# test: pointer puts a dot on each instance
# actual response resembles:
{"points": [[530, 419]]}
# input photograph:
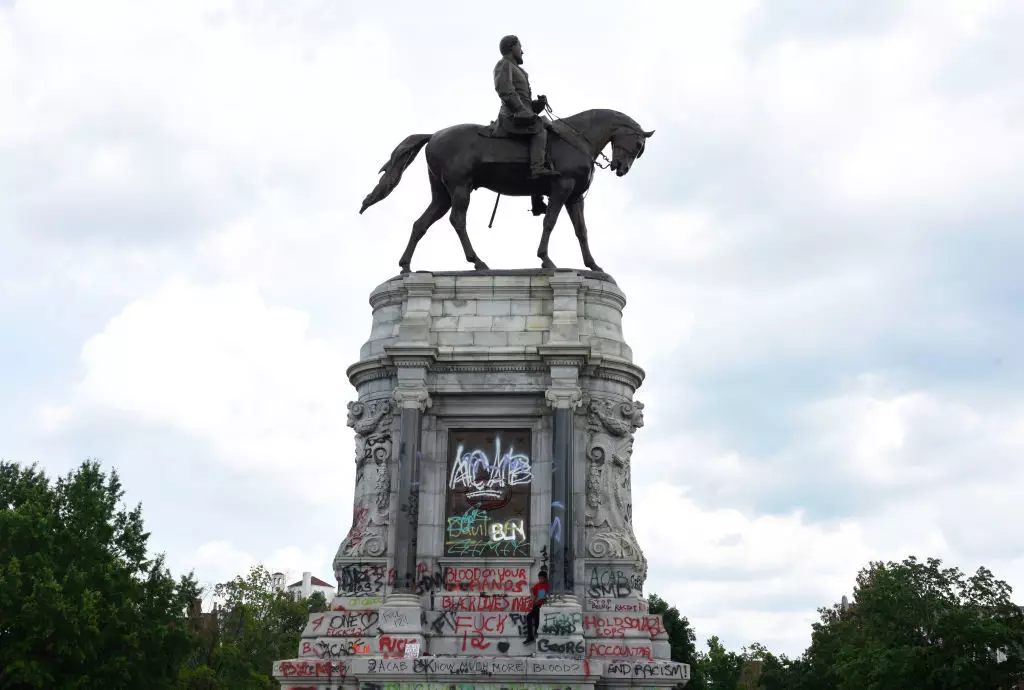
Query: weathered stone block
{"points": [[454, 338], [529, 338], [475, 323], [445, 323], [495, 307], [458, 307], [508, 323], [527, 307], [490, 338]]}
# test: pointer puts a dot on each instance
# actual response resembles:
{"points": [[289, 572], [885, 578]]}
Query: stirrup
{"points": [[543, 171]]}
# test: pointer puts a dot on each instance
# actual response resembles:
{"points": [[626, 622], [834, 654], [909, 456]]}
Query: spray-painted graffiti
{"points": [[620, 650], [617, 605], [489, 480], [360, 579], [615, 583], [301, 668], [623, 626], [572, 648], [473, 603], [375, 578], [492, 477], [476, 579], [560, 623]]}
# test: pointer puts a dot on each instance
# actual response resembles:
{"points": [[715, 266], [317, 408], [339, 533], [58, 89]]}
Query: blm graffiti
{"points": [[489, 480]]}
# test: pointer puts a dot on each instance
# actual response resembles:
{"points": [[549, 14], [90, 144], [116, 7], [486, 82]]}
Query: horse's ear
{"points": [[649, 134]]}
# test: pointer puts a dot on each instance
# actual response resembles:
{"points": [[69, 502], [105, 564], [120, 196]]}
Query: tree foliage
{"points": [[82, 604], [918, 624], [256, 626]]}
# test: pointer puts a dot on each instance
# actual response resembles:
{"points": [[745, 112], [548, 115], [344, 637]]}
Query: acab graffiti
{"points": [[489, 481], [487, 478]]}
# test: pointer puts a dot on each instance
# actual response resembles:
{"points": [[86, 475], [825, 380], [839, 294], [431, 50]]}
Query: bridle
{"points": [[549, 111]]}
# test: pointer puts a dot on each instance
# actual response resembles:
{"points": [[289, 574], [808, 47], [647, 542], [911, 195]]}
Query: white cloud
{"points": [[220, 365]]}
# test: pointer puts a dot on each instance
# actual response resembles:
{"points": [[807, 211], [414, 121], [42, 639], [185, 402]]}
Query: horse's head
{"points": [[627, 145]]}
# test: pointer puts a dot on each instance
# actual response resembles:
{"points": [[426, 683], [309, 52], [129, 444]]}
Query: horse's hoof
{"points": [[595, 268], [480, 265], [547, 263], [405, 269]]}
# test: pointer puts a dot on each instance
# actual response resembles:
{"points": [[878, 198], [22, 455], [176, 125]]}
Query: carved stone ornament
{"points": [[372, 422], [609, 501], [570, 398]]}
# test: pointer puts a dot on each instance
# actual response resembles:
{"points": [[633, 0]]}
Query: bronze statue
{"points": [[499, 157], [519, 114]]}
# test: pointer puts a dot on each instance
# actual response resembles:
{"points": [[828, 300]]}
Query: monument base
{"points": [[494, 433]]}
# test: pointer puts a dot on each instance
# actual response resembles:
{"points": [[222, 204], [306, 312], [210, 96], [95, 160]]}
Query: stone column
{"points": [[412, 356], [564, 400], [412, 403]]}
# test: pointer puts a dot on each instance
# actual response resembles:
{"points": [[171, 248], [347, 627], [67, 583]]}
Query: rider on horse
{"points": [[519, 113]]}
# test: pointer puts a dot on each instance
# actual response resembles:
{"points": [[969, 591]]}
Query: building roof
{"points": [[313, 581]]}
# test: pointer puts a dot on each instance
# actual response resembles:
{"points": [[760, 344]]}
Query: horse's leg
{"points": [[460, 205], [579, 224], [440, 202], [560, 191]]}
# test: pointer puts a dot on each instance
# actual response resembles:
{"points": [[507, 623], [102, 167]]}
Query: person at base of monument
{"points": [[540, 595]]}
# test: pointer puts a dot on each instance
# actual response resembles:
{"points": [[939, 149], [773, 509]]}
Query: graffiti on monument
{"points": [[488, 504]]}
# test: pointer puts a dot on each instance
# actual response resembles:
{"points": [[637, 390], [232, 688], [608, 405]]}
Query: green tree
{"points": [[719, 668], [82, 605], [918, 624], [256, 626], [777, 672]]}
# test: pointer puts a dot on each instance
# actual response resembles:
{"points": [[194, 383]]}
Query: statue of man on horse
{"points": [[519, 114], [514, 156]]}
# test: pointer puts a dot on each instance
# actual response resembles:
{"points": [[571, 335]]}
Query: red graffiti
{"points": [[474, 641], [312, 669], [360, 518], [619, 651], [486, 579], [618, 626], [486, 604], [395, 646]]}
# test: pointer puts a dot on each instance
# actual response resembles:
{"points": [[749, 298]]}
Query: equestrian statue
{"points": [[514, 156]]}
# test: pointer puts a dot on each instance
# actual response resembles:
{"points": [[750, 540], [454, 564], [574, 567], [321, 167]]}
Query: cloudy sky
{"points": [[821, 249]]}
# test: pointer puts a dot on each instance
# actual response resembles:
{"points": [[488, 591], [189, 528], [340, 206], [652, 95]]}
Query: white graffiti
{"points": [[510, 530], [487, 479]]}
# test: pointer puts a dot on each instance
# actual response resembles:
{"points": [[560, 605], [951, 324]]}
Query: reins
{"points": [[549, 111]]}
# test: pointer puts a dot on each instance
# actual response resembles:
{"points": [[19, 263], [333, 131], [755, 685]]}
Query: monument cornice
{"points": [[605, 367]]}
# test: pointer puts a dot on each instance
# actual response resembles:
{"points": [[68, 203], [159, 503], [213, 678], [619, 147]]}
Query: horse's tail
{"points": [[401, 158]]}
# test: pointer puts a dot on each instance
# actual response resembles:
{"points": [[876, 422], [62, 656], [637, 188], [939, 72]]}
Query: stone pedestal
{"points": [[494, 425]]}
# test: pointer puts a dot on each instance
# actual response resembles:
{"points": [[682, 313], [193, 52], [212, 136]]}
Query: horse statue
{"points": [[464, 157]]}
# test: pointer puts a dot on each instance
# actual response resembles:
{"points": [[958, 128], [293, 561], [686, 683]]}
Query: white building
{"points": [[306, 586]]}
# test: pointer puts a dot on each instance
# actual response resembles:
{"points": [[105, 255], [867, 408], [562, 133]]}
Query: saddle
{"points": [[509, 147]]}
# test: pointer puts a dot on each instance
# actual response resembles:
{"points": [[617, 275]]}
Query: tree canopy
{"points": [[82, 604], [256, 626]]}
